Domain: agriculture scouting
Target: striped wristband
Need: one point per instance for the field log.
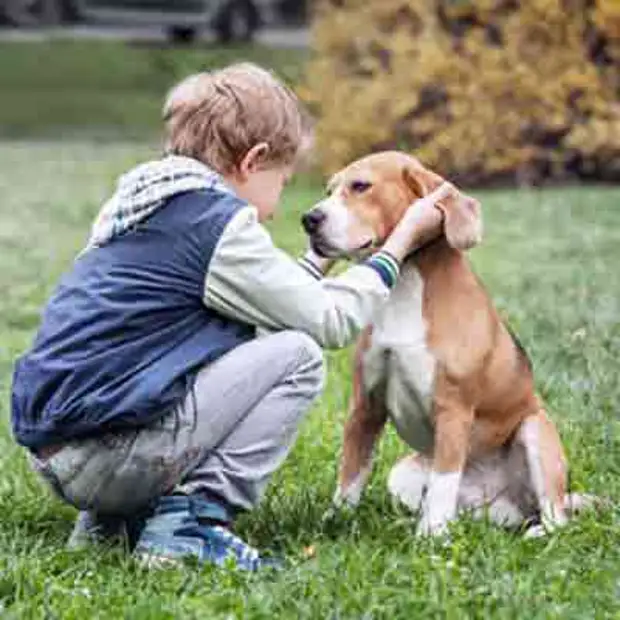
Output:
(311, 268)
(386, 266)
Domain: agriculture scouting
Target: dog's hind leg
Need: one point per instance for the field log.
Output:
(483, 492)
(491, 486)
(547, 470)
(576, 503)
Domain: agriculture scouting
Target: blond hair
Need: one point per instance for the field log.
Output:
(217, 117)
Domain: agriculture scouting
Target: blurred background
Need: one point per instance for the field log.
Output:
(487, 91)
(99, 69)
(501, 94)
(182, 21)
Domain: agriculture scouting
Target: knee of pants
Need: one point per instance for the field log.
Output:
(308, 355)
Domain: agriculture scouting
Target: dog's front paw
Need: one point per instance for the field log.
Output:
(428, 528)
(337, 513)
(330, 514)
(342, 505)
(348, 498)
(535, 531)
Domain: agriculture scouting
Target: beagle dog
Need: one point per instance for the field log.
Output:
(442, 366)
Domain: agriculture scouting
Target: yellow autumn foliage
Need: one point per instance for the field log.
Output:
(480, 90)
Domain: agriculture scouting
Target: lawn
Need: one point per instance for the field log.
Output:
(107, 89)
(550, 260)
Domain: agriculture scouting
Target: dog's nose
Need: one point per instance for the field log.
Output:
(312, 220)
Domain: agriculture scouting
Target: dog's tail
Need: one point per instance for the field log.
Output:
(575, 503)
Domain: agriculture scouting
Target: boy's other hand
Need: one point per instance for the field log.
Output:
(422, 222)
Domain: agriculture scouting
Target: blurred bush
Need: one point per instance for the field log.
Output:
(484, 91)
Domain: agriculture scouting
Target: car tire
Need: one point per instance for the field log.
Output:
(32, 13)
(70, 12)
(238, 20)
(182, 35)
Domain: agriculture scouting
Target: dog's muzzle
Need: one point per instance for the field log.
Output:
(312, 220)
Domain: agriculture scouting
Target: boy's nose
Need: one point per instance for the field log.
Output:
(312, 220)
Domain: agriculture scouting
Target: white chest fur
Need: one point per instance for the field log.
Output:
(399, 359)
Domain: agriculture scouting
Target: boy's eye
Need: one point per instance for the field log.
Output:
(359, 187)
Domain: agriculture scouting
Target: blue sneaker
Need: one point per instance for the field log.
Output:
(191, 527)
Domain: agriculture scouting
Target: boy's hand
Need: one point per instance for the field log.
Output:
(422, 222)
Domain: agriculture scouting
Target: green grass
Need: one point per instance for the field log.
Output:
(107, 89)
(550, 260)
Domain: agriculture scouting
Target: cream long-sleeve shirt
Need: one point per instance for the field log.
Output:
(251, 280)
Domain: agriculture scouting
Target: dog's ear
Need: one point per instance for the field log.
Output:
(413, 181)
(462, 214)
(462, 220)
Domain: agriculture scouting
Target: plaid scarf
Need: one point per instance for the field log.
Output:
(146, 188)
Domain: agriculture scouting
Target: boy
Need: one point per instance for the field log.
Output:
(146, 389)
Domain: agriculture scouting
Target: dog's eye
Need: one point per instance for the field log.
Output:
(359, 187)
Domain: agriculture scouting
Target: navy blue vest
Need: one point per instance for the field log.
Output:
(126, 330)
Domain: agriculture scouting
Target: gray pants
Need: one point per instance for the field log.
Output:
(226, 439)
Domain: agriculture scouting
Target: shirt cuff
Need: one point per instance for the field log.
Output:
(386, 266)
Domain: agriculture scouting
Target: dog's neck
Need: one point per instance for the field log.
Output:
(435, 247)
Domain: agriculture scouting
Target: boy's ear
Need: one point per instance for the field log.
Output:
(253, 159)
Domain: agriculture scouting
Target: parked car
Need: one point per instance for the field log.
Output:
(232, 20)
(31, 13)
